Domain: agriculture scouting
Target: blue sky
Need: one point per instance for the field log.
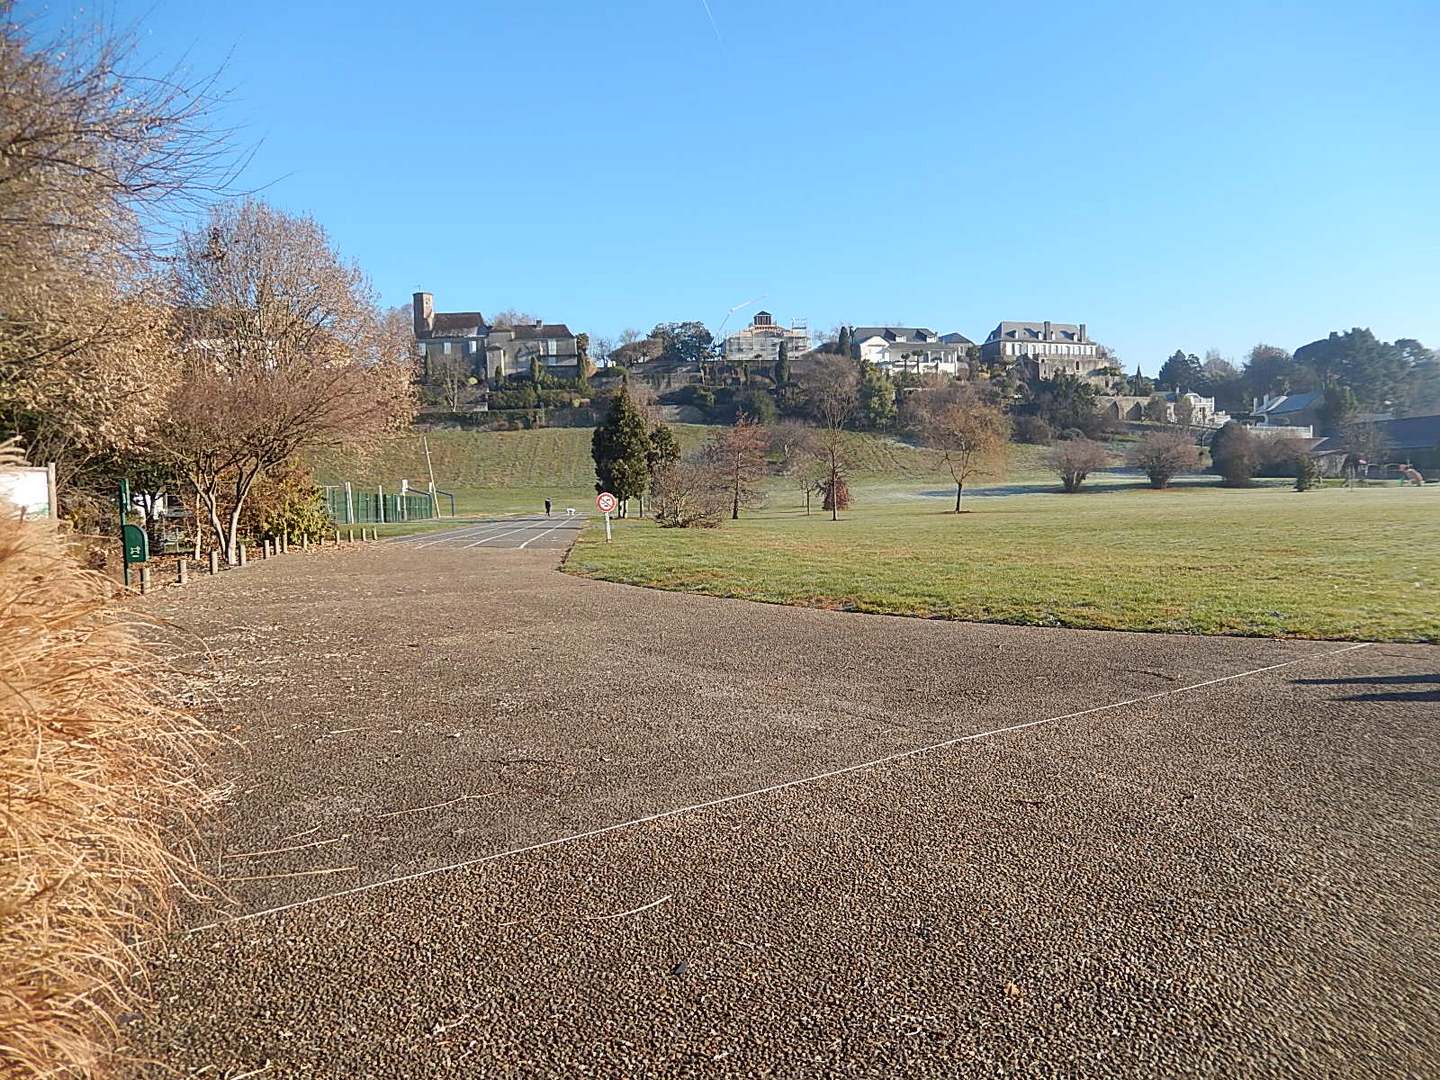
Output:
(1172, 175)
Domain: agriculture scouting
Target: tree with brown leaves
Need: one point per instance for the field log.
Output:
(969, 435)
(281, 349)
(94, 161)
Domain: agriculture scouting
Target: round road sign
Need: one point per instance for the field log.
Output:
(605, 502)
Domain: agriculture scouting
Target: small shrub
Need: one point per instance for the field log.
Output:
(1076, 459)
(836, 498)
(1164, 455)
(1307, 471)
(1032, 430)
(687, 495)
(1234, 454)
(285, 502)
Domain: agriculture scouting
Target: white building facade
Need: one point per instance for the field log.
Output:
(758, 345)
(916, 349)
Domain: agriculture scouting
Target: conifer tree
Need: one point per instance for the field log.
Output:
(620, 447)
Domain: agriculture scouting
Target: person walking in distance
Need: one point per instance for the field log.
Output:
(547, 507)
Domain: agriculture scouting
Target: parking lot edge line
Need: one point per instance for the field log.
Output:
(771, 789)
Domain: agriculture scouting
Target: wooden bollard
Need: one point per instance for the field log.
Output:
(284, 543)
(350, 535)
(242, 555)
(304, 541)
(182, 571)
(214, 562)
(337, 537)
(144, 580)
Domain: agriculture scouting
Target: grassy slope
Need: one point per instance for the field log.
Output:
(508, 471)
(1265, 561)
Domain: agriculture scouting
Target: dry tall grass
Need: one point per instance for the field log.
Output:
(96, 767)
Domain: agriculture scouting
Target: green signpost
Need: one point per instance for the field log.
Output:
(135, 544)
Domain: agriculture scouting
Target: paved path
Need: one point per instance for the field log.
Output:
(451, 847)
(555, 532)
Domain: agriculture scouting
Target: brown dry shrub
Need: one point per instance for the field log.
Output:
(98, 767)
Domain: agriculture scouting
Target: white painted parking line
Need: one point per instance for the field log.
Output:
(547, 532)
(498, 536)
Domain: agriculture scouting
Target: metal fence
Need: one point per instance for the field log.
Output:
(348, 505)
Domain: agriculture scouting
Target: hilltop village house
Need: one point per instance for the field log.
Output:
(758, 345)
(916, 349)
(1044, 350)
(445, 340)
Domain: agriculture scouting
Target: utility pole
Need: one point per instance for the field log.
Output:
(434, 499)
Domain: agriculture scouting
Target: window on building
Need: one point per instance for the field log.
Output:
(447, 348)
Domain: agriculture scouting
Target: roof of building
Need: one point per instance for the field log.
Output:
(956, 339)
(1413, 432)
(1035, 331)
(542, 330)
(893, 333)
(1292, 403)
(452, 323)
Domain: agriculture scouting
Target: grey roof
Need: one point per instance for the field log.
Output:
(956, 339)
(544, 330)
(1294, 403)
(894, 333)
(1035, 331)
(457, 323)
(1413, 432)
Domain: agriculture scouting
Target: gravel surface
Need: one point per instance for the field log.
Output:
(1232, 880)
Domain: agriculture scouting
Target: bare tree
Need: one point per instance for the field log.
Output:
(687, 495)
(1164, 455)
(281, 349)
(969, 435)
(796, 457)
(832, 391)
(510, 318)
(737, 454)
(1075, 459)
(94, 162)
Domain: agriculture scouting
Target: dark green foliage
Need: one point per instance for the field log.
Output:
(683, 342)
(664, 448)
(876, 410)
(782, 364)
(1066, 402)
(842, 346)
(1338, 409)
(757, 404)
(1379, 373)
(1181, 372)
(1307, 471)
(1234, 454)
(1033, 430)
(620, 446)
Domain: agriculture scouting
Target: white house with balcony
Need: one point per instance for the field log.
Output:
(916, 349)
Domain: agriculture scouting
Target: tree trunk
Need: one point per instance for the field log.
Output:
(807, 505)
(834, 495)
(959, 491)
(735, 505)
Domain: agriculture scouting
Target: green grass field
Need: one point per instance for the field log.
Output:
(1266, 561)
(516, 471)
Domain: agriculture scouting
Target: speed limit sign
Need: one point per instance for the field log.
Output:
(606, 503)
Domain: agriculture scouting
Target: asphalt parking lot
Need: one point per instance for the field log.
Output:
(556, 532)
(491, 820)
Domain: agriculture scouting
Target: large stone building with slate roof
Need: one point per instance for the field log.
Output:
(447, 338)
(1044, 350)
